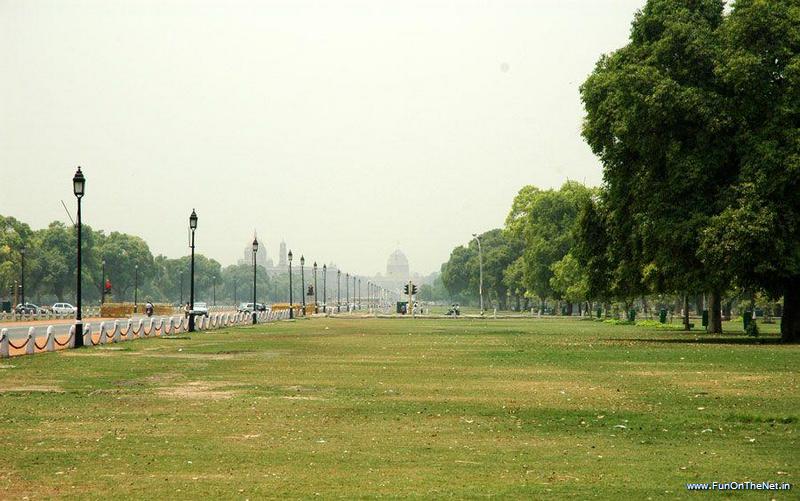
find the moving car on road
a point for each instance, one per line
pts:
(200, 309)
(64, 309)
(248, 307)
(26, 309)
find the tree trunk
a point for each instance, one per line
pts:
(715, 313)
(790, 321)
(726, 312)
(686, 312)
(569, 309)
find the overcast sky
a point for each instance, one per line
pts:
(346, 128)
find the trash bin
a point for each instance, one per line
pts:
(747, 317)
(705, 318)
(631, 315)
(599, 313)
(662, 315)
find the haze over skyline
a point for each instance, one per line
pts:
(346, 129)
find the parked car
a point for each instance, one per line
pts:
(26, 309)
(63, 309)
(201, 309)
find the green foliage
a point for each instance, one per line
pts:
(545, 221)
(569, 280)
(752, 328)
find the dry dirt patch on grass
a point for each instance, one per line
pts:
(198, 390)
(32, 388)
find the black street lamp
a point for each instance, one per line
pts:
(324, 288)
(291, 306)
(192, 226)
(22, 273)
(103, 284)
(78, 188)
(255, 250)
(359, 293)
(136, 288)
(338, 290)
(354, 292)
(316, 302)
(303, 283)
(347, 291)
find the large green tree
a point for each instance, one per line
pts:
(757, 235)
(544, 221)
(656, 117)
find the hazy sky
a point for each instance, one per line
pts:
(344, 127)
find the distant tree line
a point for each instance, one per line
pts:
(50, 267)
(697, 124)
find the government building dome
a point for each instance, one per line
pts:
(397, 265)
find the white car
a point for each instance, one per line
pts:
(64, 309)
(201, 309)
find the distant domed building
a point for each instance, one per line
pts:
(397, 266)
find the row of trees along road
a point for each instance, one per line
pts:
(50, 264)
(697, 124)
(531, 257)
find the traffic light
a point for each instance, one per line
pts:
(405, 289)
(414, 289)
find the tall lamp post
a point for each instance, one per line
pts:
(359, 293)
(22, 273)
(291, 306)
(103, 284)
(324, 288)
(255, 250)
(480, 267)
(347, 291)
(316, 301)
(78, 188)
(303, 282)
(136, 288)
(192, 226)
(338, 290)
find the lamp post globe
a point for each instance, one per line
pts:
(79, 189)
(192, 227)
(291, 305)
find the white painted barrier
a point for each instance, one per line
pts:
(143, 328)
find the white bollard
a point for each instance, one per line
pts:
(116, 331)
(87, 335)
(4, 343)
(51, 338)
(71, 338)
(103, 334)
(30, 349)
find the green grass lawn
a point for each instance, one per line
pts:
(520, 408)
